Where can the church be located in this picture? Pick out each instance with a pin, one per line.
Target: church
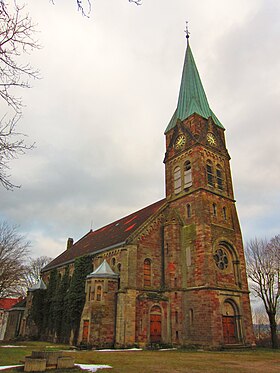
(172, 273)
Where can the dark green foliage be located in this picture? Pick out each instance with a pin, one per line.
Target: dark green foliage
(76, 296)
(37, 309)
(57, 311)
(62, 324)
(49, 306)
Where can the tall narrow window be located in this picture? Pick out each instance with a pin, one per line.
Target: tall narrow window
(214, 209)
(89, 292)
(177, 180)
(189, 210)
(113, 262)
(187, 174)
(147, 272)
(209, 171)
(98, 293)
(224, 213)
(219, 175)
(191, 316)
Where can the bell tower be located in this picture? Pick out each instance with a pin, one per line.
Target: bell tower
(213, 283)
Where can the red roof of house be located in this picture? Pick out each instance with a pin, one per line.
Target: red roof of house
(7, 303)
(106, 237)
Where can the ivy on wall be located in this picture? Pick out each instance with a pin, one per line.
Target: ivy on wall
(57, 310)
(37, 310)
(77, 296)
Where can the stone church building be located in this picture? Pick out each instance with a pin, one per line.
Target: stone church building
(173, 272)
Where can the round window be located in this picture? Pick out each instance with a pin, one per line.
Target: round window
(221, 259)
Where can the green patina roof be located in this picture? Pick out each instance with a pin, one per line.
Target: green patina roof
(192, 98)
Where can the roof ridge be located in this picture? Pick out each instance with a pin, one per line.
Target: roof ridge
(127, 216)
(109, 236)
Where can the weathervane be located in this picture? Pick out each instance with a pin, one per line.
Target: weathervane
(187, 30)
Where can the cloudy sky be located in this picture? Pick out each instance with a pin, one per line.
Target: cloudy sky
(109, 86)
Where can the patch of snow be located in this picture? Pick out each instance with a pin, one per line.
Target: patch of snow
(167, 349)
(92, 367)
(11, 346)
(120, 350)
(10, 366)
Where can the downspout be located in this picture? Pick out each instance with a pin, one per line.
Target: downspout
(162, 258)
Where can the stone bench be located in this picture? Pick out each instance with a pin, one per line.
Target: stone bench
(39, 361)
(65, 362)
(32, 364)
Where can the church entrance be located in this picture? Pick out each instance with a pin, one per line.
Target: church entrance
(155, 324)
(229, 324)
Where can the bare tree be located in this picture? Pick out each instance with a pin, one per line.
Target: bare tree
(33, 269)
(13, 253)
(12, 145)
(263, 268)
(260, 321)
(16, 39)
(84, 6)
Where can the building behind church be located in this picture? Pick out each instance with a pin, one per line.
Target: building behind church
(173, 272)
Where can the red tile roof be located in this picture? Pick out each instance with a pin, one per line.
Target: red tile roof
(7, 303)
(108, 236)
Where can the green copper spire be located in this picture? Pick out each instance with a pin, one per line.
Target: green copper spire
(192, 98)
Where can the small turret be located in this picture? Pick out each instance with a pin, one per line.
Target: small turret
(98, 318)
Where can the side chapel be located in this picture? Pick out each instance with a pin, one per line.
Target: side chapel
(173, 272)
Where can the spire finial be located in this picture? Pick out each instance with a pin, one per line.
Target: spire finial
(187, 31)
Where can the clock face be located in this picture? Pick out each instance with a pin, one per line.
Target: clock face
(211, 139)
(180, 141)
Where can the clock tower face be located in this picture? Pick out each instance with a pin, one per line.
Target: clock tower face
(211, 139)
(180, 142)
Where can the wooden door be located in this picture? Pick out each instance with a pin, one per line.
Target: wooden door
(85, 330)
(229, 329)
(155, 325)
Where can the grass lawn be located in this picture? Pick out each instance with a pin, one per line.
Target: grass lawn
(243, 361)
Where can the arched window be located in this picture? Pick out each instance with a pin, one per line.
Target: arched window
(209, 171)
(187, 174)
(189, 210)
(176, 317)
(99, 293)
(147, 272)
(113, 262)
(177, 180)
(119, 266)
(219, 175)
(214, 209)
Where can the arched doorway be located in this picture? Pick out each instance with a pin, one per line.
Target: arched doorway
(155, 324)
(230, 326)
(85, 330)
